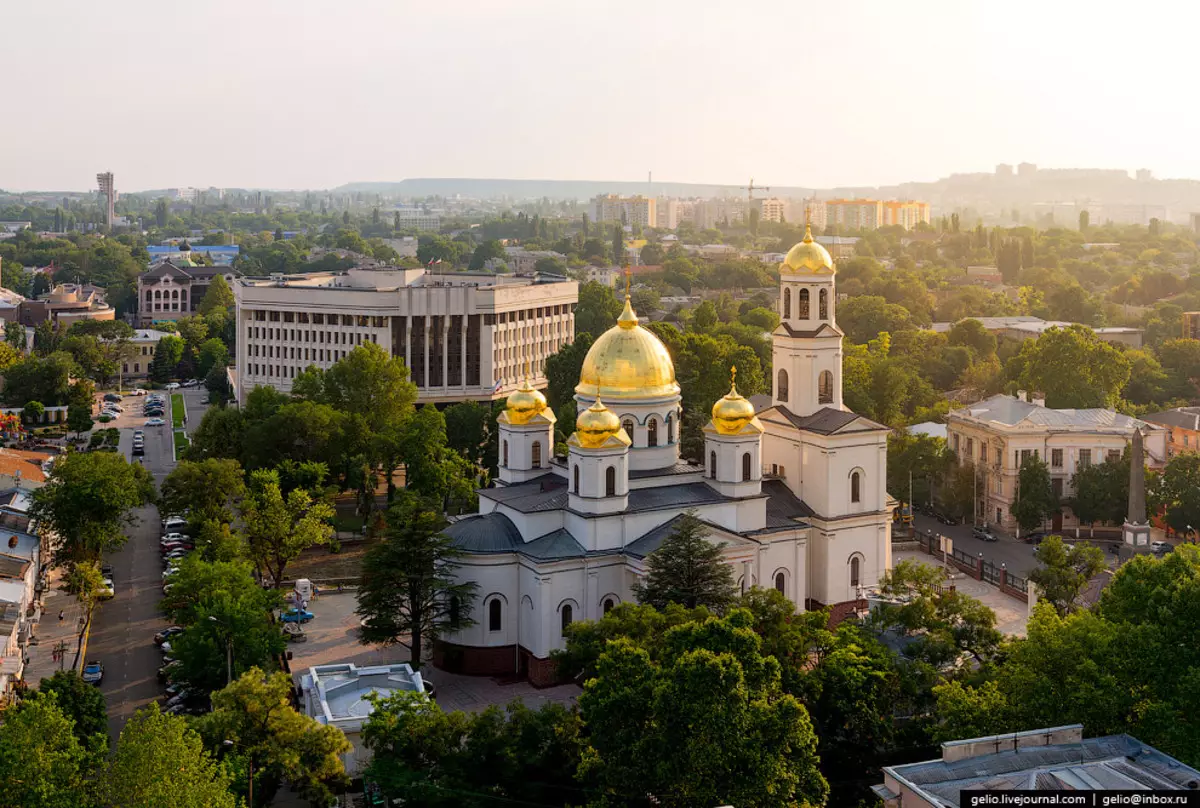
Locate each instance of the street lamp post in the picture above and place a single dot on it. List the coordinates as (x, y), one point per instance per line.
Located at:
(228, 744)
(228, 651)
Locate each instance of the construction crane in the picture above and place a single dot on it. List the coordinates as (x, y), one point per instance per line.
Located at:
(751, 188)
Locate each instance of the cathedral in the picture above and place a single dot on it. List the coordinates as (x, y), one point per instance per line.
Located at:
(795, 492)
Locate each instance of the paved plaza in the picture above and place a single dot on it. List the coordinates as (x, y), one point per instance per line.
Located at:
(1011, 614)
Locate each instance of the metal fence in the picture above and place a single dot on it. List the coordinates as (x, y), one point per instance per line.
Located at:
(991, 573)
(1017, 582)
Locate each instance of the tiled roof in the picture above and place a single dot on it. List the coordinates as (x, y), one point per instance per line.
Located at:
(823, 330)
(27, 464)
(486, 533)
(558, 544)
(1011, 411)
(828, 420)
(12, 566)
(783, 507)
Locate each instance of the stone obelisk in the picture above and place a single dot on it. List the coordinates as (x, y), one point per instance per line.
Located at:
(1136, 530)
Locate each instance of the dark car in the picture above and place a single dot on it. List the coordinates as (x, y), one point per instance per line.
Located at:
(166, 634)
(983, 534)
(106, 570)
(139, 451)
(111, 397)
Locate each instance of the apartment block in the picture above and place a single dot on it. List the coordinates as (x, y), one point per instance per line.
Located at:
(464, 336)
(854, 214)
(632, 210)
(907, 214)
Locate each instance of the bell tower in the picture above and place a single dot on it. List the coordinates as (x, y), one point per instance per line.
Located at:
(733, 445)
(526, 436)
(806, 348)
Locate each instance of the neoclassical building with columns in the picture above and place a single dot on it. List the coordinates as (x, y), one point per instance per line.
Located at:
(794, 493)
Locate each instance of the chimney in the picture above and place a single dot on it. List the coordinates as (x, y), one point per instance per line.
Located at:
(1038, 398)
(1022, 395)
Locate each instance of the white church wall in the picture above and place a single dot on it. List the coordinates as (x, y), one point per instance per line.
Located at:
(494, 576)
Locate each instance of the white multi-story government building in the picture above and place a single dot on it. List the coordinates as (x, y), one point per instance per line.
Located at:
(794, 492)
(463, 336)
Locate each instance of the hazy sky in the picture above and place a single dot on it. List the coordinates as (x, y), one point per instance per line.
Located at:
(314, 93)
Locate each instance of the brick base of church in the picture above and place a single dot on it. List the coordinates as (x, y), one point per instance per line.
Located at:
(837, 611)
(502, 661)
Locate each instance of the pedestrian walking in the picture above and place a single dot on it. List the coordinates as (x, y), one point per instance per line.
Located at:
(61, 614)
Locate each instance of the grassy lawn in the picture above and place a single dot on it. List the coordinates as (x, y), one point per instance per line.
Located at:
(181, 442)
(318, 562)
(177, 410)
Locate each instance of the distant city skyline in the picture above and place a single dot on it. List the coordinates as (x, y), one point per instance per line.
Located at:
(305, 95)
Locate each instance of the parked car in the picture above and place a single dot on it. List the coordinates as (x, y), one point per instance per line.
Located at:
(106, 570)
(191, 383)
(151, 422)
(983, 534)
(93, 673)
(137, 391)
(111, 397)
(107, 591)
(166, 634)
(1160, 546)
(171, 386)
(297, 616)
(173, 535)
(176, 545)
(164, 673)
(139, 450)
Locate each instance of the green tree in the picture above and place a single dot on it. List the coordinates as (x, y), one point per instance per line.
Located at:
(35, 378)
(618, 245)
(487, 251)
(408, 586)
(1073, 367)
(1101, 491)
(704, 723)
(199, 583)
(970, 333)
(204, 490)
(426, 756)
(467, 426)
(432, 470)
(218, 296)
(369, 383)
(597, 310)
(1035, 494)
(32, 412)
(761, 318)
(86, 502)
(1177, 490)
(641, 624)
(864, 318)
(82, 703)
(167, 356)
(563, 369)
(14, 332)
(279, 528)
(211, 354)
(161, 763)
(687, 569)
(1064, 571)
(255, 713)
(918, 463)
(42, 763)
(79, 406)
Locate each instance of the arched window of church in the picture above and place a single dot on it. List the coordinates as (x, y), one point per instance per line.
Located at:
(670, 429)
(825, 387)
(802, 308)
(608, 605)
(567, 616)
(781, 387)
(780, 583)
(712, 465)
(746, 468)
(495, 614)
(787, 304)
(627, 425)
(652, 432)
(855, 487)
(855, 564)
(505, 461)
(823, 305)
(536, 453)
(610, 482)
(455, 611)
(575, 474)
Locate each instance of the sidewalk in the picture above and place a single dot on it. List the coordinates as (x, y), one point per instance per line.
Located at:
(50, 631)
(1011, 615)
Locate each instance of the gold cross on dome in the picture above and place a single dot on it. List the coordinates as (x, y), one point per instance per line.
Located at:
(628, 279)
(733, 374)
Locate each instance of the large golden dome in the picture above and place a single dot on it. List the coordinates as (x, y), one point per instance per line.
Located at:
(628, 362)
(807, 258)
(524, 404)
(596, 425)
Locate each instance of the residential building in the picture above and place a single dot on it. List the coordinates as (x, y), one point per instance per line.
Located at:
(14, 227)
(811, 211)
(771, 209)
(794, 493)
(23, 469)
(65, 305)
(1004, 170)
(1023, 326)
(340, 696)
(713, 212)
(631, 210)
(108, 196)
(607, 276)
(1042, 760)
(666, 213)
(144, 343)
(839, 246)
(405, 247)
(907, 214)
(524, 261)
(10, 305)
(854, 214)
(1183, 428)
(415, 219)
(169, 291)
(998, 434)
(1144, 175)
(1133, 214)
(463, 335)
(1026, 169)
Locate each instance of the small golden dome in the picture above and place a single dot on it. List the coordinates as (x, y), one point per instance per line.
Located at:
(595, 425)
(629, 362)
(731, 413)
(807, 258)
(524, 404)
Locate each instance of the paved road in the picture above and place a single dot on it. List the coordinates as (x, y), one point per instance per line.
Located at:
(123, 628)
(1017, 555)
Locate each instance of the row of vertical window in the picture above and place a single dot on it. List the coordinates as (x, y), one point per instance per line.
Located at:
(824, 386)
(802, 309)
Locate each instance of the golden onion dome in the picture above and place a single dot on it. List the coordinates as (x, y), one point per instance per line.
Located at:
(595, 425)
(731, 413)
(807, 258)
(628, 362)
(524, 404)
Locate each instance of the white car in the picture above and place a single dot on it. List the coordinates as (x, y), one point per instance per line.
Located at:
(137, 391)
(171, 386)
(1160, 546)
(107, 590)
(156, 422)
(172, 524)
(175, 536)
